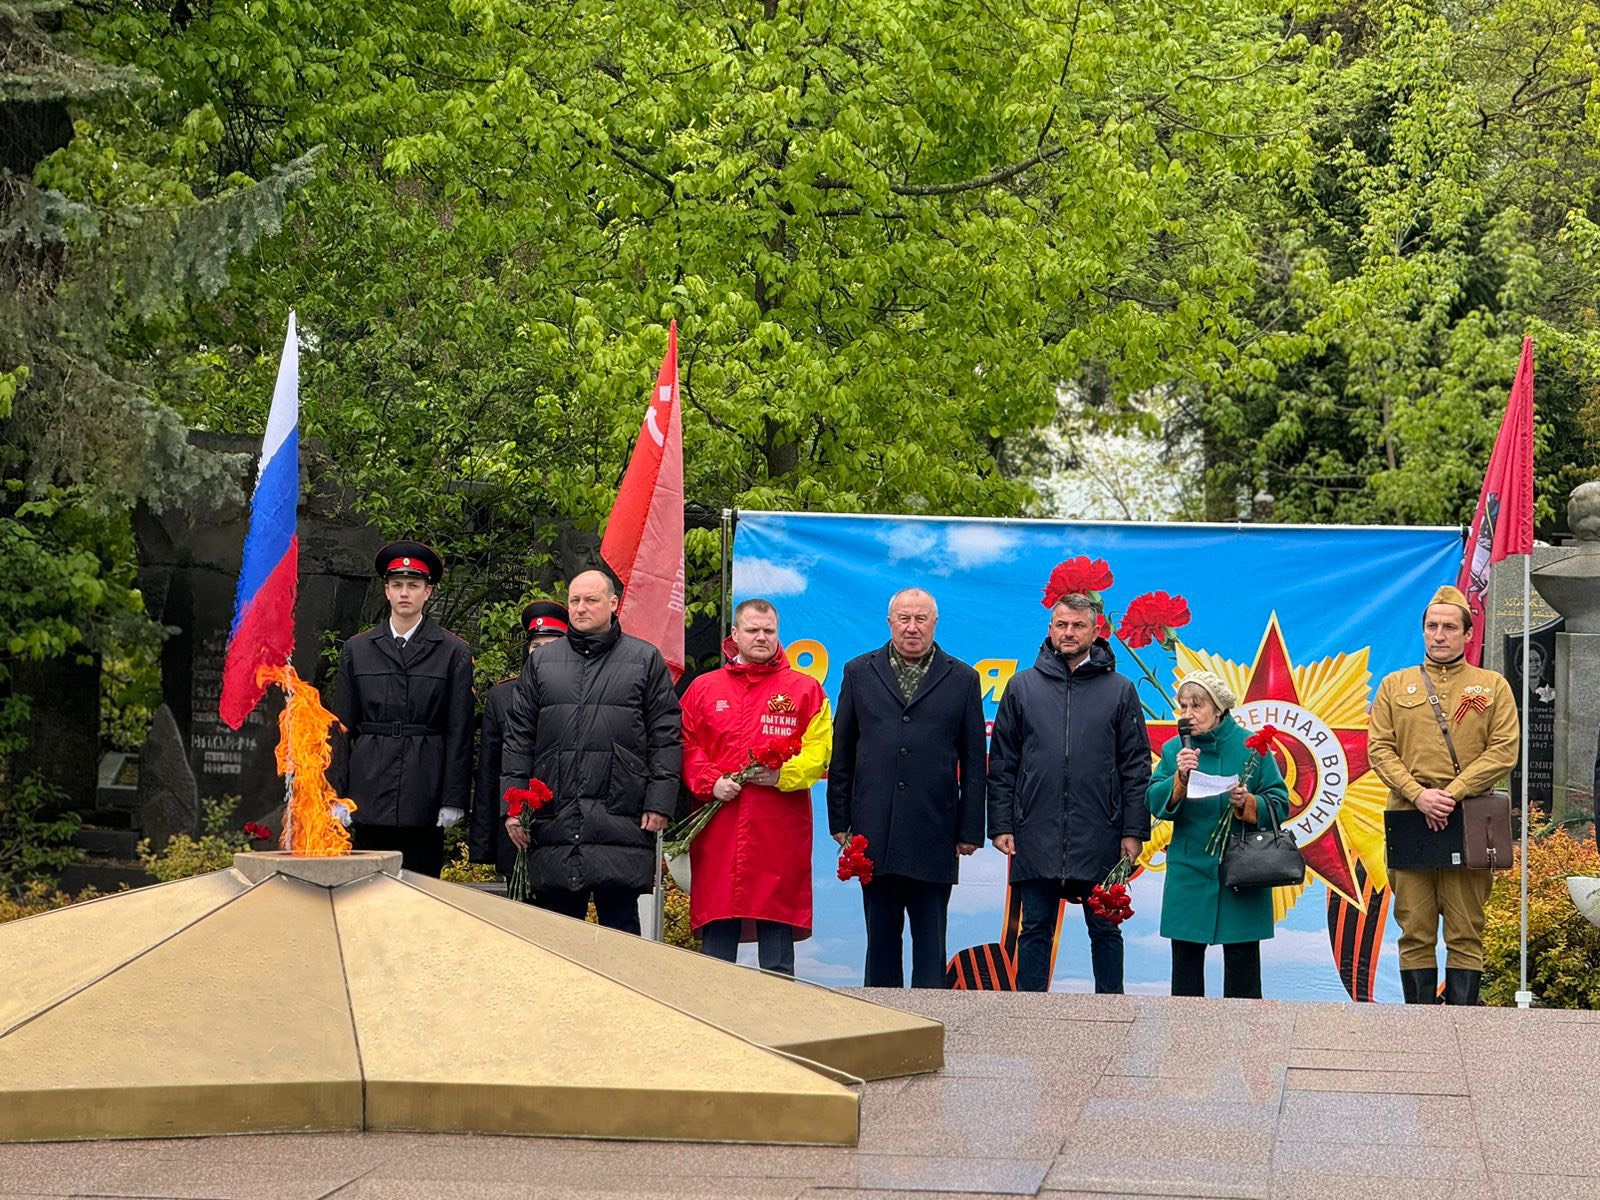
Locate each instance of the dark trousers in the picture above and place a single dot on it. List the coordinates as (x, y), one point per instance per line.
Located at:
(774, 943)
(1041, 900)
(421, 848)
(1241, 969)
(617, 907)
(888, 901)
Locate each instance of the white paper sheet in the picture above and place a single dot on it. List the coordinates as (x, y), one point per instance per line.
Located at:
(1201, 784)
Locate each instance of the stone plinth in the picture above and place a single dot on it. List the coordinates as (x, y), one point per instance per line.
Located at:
(1578, 685)
(328, 872)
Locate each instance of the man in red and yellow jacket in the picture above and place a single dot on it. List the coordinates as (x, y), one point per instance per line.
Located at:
(751, 866)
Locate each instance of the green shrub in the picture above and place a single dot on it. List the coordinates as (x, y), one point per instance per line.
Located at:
(456, 867)
(1563, 947)
(213, 850)
(35, 834)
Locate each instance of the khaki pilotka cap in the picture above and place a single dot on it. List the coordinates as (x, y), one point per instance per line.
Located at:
(1452, 595)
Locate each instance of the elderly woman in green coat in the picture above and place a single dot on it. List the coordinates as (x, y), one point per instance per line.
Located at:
(1196, 909)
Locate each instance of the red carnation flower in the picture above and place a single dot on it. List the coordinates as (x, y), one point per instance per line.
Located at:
(521, 804)
(1091, 576)
(773, 755)
(1113, 903)
(1102, 627)
(529, 799)
(853, 861)
(1263, 740)
(1153, 617)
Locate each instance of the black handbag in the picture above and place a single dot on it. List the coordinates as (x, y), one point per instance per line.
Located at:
(1261, 858)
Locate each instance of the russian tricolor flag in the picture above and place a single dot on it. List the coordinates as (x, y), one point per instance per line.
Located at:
(263, 608)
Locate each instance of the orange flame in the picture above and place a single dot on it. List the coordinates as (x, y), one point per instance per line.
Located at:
(309, 826)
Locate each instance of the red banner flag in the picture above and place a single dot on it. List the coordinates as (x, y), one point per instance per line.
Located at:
(1503, 524)
(644, 537)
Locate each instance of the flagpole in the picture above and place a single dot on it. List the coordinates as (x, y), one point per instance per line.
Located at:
(659, 897)
(287, 837)
(727, 568)
(1524, 996)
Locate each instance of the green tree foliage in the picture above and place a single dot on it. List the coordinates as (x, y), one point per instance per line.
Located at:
(97, 253)
(1452, 212)
(887, 230)
(898, 237)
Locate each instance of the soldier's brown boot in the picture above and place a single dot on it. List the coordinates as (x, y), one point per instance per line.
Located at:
(1421, 985)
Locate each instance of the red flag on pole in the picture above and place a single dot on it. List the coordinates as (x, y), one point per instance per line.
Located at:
(644, 537)
(1503, 524)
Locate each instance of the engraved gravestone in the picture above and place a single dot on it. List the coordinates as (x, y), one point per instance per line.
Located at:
(190, 568)
(1544, 702)
(1568, 577)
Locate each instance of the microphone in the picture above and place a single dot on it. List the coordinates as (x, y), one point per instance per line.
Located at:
(1186, 732)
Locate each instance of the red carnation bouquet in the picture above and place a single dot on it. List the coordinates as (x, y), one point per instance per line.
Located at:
(1259, 743)
(770, 756)
(257, 833)
(1150, 619)
(853, 860)
(1110, 899)
(522, 803)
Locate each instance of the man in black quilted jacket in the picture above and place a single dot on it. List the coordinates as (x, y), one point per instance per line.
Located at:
(1069, 763)
(595, 719)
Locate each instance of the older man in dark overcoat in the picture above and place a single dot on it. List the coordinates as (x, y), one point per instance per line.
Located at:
(908, 775)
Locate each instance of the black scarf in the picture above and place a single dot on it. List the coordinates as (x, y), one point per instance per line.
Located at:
(591, 644)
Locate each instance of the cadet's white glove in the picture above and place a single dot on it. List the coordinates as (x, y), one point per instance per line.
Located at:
(449, 816)
(341, 813)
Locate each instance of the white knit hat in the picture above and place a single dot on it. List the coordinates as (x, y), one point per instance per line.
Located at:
(1212, 683)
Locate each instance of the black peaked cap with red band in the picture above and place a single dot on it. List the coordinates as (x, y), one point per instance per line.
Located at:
(543, 617)
(408, 558)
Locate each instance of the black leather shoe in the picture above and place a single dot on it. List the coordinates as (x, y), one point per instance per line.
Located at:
(1420, 986)
(1461, 986)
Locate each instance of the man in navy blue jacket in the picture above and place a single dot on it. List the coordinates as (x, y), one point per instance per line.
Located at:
(1069, 764)
(907, 774)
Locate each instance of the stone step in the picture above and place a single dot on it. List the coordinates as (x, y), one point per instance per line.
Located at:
(123, 801)
(97, 841)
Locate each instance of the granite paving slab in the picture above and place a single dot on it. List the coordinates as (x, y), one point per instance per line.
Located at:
(1054, 1095)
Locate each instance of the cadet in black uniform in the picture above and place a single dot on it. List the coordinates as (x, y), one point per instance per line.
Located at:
(492, 839)
(404, 696)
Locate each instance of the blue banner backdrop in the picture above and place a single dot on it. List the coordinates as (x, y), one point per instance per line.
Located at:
(1303, 621)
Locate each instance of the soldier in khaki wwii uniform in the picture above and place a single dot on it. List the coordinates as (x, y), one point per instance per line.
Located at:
(1409, 753)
